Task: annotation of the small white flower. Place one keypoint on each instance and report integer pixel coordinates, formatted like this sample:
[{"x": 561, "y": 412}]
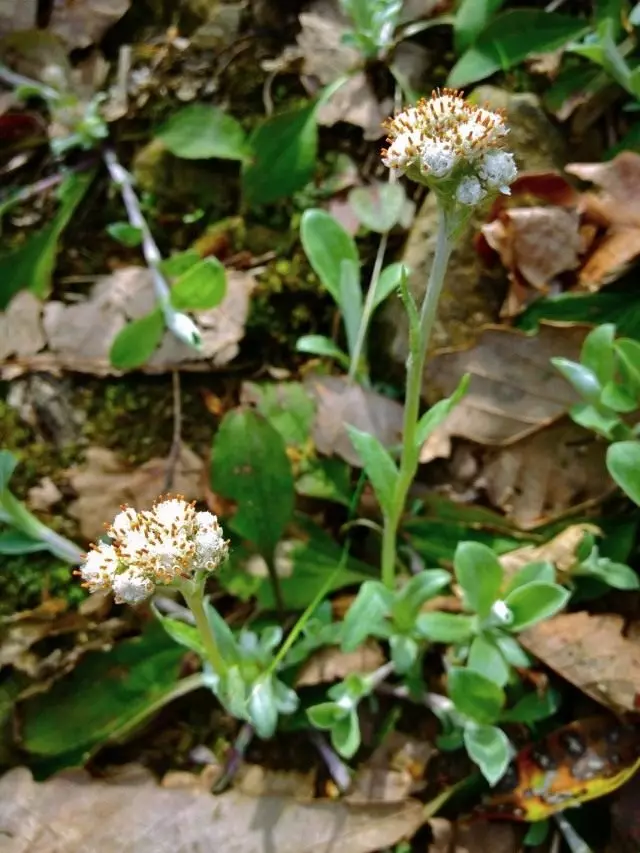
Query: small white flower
[
  {"x": 438, "y": 159},
  {"x": 470, "y": 191},
  {"x": 123, "y": 521},
  {"x": 131, "y": 587},
  {"x": 99, "y": 567},
  {"x": 211, "y": 548},
  {"x": 498, "y": 169}
]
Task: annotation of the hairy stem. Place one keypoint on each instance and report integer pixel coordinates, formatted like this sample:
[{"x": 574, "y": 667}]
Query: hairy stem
[
  {"x": 195, "y": 602},
  {"x": 415, "y": 366}
]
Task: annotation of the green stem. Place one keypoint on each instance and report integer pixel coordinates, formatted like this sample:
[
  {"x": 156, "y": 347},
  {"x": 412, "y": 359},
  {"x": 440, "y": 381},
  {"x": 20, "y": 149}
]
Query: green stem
[
  {"x": 367, "y": 310},
  {"x": 195, "y": 603},
  {"x": 415, "y": 366},
  {"x": 270, "y": 560}
]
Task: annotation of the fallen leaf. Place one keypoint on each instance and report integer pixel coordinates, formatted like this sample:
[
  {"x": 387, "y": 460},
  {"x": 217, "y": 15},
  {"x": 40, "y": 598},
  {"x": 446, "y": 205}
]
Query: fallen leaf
[
  {"x": 254, "y": 780},
  {"x": 394, "y": 771},
  {"x": 103, "y": 483},
  {"x": 44, "y": 495},
  {"x": 81, "y": 23},
  {"x": 522, "y": 479},
  {"x": 16, "y": 15},
  {"x": 514, "y": 388},
  {"x": 21, "y": 330},
  {"x": 79, "y": 335},
  {"x": 592, "y": 652},
  {"x": 332, "y": 664},
  {"x": 561, "y": 551},
  {"x": 59, "y": 816},
  {"x": 486, "y": 837},
  {"x": 340, "y": 402}
]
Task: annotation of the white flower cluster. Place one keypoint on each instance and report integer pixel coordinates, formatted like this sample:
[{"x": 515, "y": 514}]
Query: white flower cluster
[
  {"x": 168, "y": 543},
  {"x": 452, "y": 146}
]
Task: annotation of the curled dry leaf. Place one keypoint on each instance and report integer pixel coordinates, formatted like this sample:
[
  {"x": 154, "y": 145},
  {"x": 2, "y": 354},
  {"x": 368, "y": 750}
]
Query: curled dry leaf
[
  {"x": 594, "y": 652},
  {"x": 81, "y": 23},
  {"x": 79, "y": 335},
  {"x": 514, "y": 388},
  {"x": 103, "y": 483},
  {"x": 561, "y": 551},
  {"x": 340, "y": 402},
  {"x": 60, "y": 815},
  {"x": 332, "y": 664}
]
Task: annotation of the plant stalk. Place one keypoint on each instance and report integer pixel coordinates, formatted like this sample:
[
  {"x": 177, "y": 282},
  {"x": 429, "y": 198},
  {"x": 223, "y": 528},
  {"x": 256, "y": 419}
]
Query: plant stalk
[
  {"x": 195, "y": 603},
  {"x": 415, "y": 365},
  {"x": 367, "y": 310}
]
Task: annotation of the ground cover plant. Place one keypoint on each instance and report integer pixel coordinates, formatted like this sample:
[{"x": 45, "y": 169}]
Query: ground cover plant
[{"x": 320, "y": 464}]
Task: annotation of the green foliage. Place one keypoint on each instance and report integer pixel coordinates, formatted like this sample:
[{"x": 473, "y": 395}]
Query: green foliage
[
  {"x": 608, "y": 379},
  {"x": 380, "y": 467},
  {"x": 201, "y": 287},
  {"x": 339, "y": 716},
  {"x": 202, "y": 132},
  {"x": 374, "y": 23},
  {"x": 136, "y": 342},
  {"x": 379, "y": 211},
  {"x": 125, "y": 233},
  {"x": 327, "y": 245}
]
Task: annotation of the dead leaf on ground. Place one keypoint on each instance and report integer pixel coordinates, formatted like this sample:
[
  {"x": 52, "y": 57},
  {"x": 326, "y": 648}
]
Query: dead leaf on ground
[
  {"x": 79, "y": 335},
  {"x": 44, "y": 495},
  {"x": 591, "y": 652},
  {"x": 557, "y": 469},
  {"x": 59, "y": 816},
  {"x": 487, "y": 837},
  {"x": 21, "y": 331},
  {"x": 103, "y": 483},
  {"x": 514, "y": 388},
  {"x": 81, "y": 23},
  {"x": 616, "y": 209},
  {"x": 254, "y": 780},
  {"x": 339, "y": 403},
  {"x": 561, "y": 551},
  {"x": 332, "y": 664},
  {"x": 625, "y": 818},
  {"x": 394, "y": 771}
]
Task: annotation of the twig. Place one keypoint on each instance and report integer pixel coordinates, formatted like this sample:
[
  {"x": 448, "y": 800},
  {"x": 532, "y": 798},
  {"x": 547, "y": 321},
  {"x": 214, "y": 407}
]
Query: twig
[
  {"x": 181, "y": 326},
  {"x": 176, "y": 441},
  {"x": 336, "y": 767},
  {"x": 234, "y": 758}
]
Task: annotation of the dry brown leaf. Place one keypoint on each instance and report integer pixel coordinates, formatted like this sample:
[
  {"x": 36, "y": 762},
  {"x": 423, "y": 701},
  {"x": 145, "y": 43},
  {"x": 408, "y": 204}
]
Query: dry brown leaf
[
  {"x": 79, "y": 335},
  {"x": 332, "y": 664},
  {"x": 542, "y": 476},
  {"x": 103, "y": 483},
  {"x": 254, "y": 780},
  {"x": 591, "y": 651},
  {"x": 514, "y": 388},
  {"x": 60, "y": 816},
  {"x": 487, "y": 837},
  {"x": 21, "y": 332},
  {"x": 393, "y": 772},
  {"x": 561, "y": 551},
  {"x": 339, "y": 403},
  {"x": 44, "y": 495},
  {"x": 81, "y": 23},
  {"x": 625, "y": 818}
]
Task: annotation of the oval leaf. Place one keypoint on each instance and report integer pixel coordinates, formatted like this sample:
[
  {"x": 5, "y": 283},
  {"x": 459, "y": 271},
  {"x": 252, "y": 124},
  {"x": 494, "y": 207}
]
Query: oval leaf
[
  {"x": 200, "y": 132},
  {"x": 534, "y": 602},
  {"x": 137, "y": 341},
  {"x": 201, "y": 287},
  {"x": 474, "y": 695},
  {"x": 380, "y": 467},
  {"x": 479, "y": 574},
  {"x": 445, "y": 627},
  {"x": 327, "y": 245},
  {"x": 378, "y": 207},
  {"x": 623, "y": 463},
  {"x": 489, "y": 747}
]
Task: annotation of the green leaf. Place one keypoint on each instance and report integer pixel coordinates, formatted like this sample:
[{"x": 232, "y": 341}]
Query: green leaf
[
  {"x": 404, "y": 652},
  {"x": 471, "y": 19},
  {"x": 542, "y": 571},
  {"x": 628, "y": 352},
  {"x": 617, "y": 398},
  {"x": 287, "y": 406},
  {"x": 532, "y": 708},
  {"x": 250, "y": 466},
  {"x": 479, "y": 573},
  {"x": 623, "y": 463},
  {"x": 201, "y": 287},
  {"x": 137, "y": 341},
  {"x": 326, "y": 478},
  {"x": 486, "y": 658},
  {"x": 30, "y": 267},
  {"x": 223, "y": 635},
  {"x": 13, "y": 542},
  {"x": 327, "y": 245},
  {"x": 582, "y": 378},
  {"x": 201, "y": 131},
  {"x": 440, "y": 412},
  {"x": 326, "y": 714},
  {"x": 616, "y": 575},
  {"x": 388, "y": 282},
  {"x": 475, "y": 695},
  {"x": 595, "y": 418},
  {"x": 104, "y": 698},
  {"x": 284, "y": 156},
  {"x": 262, "y": 709},
  {"x": 537, "y": 833},
  {"x": 511, "y": 650},
  {"x": 366, "y": 614},
  {"x": 125, "y": 233},
  {"x": 378, "y": 208},
  {"x": 534, "y": 602},
  {"x": 509, "y": 38},
  {"x": 416, "y": 591},
  {"x": 179, "y": 263},
  {"x": 351, "y": 301},
  {"x": 8, "y": 464},
  {"x": 381, "y": 470},
  {"x": 323, "y": 346},
  {"x": 345, "y": 735},
  {"x": 184, "y": 634},
  {"x": 489, "y": 747},
  {"x": 598, "y": 353},
  {"x": 445, "y": 627}
]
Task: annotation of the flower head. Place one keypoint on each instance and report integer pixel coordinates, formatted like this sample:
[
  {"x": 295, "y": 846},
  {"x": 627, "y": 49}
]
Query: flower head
[
  {"x": 454, "y": 147},
  {"x": 169, "y": 543}
]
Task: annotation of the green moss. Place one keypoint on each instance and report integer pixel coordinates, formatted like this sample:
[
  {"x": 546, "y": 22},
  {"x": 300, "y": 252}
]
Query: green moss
[{"x": 27, "y": 579}]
